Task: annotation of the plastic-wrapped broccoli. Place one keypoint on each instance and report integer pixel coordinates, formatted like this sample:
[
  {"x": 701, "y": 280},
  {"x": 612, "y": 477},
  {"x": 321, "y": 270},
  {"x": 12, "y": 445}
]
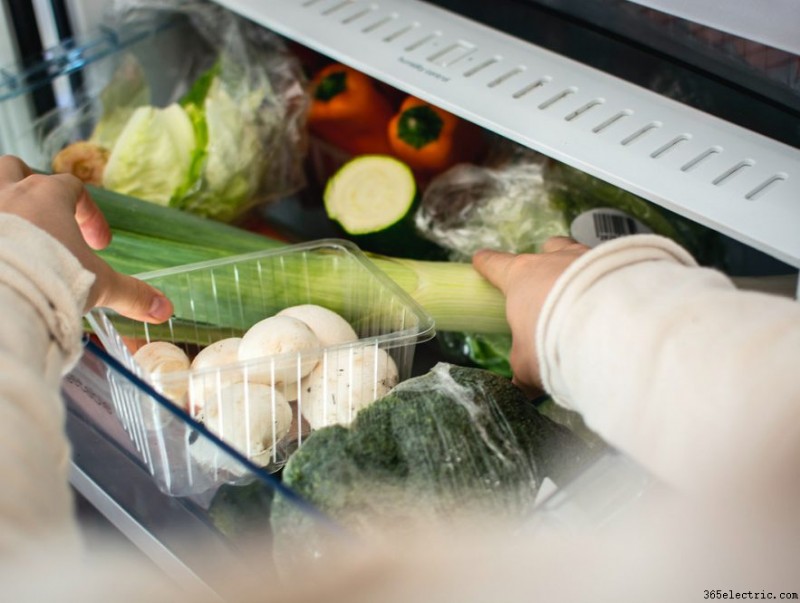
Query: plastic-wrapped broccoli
[
  {"x": 241, "y": 510},
  {"x": 450, "y": 443}
]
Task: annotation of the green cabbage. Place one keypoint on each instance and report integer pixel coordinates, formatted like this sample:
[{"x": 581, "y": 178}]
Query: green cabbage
[
  {"x": 127, "y": 90},
  {"x": 153, "y": 154},
  {"x": 231, "y": 168},
  {"x": 206, "y": 154}
]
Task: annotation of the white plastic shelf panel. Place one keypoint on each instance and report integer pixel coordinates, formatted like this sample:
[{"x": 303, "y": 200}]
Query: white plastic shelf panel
[{"x": 714, "y": 172}]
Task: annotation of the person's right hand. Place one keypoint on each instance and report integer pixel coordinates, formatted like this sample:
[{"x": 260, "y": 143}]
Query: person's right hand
[
  {"x": 526, "y": 281},
  {"x": 61, "y": 206}
]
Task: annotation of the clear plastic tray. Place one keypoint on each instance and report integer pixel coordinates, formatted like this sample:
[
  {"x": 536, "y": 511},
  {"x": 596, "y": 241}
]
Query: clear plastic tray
[
  {"x": 198, "y": 524},
  {"x": 222, "y": 299}
]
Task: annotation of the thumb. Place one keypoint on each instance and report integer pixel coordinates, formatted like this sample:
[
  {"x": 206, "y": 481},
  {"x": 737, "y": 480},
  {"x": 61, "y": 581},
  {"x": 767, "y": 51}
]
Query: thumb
[
  {"x": 494, "y": 266},
  {"x": 132, "y": 298}
]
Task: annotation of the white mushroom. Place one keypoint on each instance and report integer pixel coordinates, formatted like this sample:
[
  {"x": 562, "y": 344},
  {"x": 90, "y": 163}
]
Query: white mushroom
[
  {"x": 251, "y": 418},
  {"x": 163, "y": 362},
  {"x": 275, "y": 336},
  {"x": 330, "y": 328},
  {"x": 219, "y": 353},
  {"x": 205, "y": 382},
  {"x": 349, "y": 381}
]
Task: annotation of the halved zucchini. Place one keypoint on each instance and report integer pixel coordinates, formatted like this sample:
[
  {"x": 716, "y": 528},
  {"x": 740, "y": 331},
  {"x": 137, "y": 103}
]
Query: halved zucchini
[{"x": 373, "y": 199}]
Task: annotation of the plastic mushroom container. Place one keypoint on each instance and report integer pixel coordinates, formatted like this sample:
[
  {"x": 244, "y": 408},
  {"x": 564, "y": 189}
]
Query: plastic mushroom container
[{"x": 261, "y": 350}]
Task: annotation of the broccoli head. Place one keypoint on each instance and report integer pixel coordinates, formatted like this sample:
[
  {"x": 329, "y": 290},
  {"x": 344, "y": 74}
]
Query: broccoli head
[{"x": 455, "y": 440}]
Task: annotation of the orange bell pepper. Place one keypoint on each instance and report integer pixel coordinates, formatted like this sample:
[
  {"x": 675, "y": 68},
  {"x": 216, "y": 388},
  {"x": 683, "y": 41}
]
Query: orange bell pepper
[
  {"x": 430, "y": 139},
  {"x": 348, "y": 112}
]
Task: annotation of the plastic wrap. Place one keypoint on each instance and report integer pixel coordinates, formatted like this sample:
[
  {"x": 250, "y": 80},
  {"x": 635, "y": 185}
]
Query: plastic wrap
[
  {"x": 576, "y": 193},
  {"x": 505, "y": 207},
  {"x": 438, "y": 448},
  {"x": 229, "y": 133}
]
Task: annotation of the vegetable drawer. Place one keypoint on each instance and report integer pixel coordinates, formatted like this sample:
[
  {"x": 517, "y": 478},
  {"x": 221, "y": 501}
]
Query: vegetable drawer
[
  {"x": 116, "y": 467},
  {"x": 261, "y": 349}
]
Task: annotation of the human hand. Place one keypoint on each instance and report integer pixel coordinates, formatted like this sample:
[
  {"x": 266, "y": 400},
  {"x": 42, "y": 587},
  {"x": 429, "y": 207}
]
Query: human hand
[
  {"x": 61, "y": 206},
  {"x": 526, "y": 281}
]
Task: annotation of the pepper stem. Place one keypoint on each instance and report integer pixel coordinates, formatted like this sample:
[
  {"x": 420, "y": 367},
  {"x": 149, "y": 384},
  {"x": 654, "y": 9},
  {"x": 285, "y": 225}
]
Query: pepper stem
[
  {"x": 419, "y": 126},
  {"x": 330, "y": 86}
]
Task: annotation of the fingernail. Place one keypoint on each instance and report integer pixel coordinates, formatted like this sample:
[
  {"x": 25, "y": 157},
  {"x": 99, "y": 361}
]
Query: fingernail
[{"x": 160, "y": 308}]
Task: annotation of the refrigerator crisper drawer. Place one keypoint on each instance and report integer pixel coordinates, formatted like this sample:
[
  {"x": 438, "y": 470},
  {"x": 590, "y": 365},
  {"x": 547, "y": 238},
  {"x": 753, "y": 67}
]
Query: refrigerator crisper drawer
[{"x": 114, "y": 469}]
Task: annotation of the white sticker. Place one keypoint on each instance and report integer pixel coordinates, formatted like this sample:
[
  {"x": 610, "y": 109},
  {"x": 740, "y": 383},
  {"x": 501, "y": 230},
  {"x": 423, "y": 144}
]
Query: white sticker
[{"x": 603, "y": 224}]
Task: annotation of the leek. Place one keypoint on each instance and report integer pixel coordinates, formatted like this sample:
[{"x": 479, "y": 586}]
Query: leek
[{"x": 148, "y": 237}]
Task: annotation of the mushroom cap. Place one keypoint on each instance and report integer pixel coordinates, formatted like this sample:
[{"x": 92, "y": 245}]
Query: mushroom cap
[
  {"x": 329, "y": 327},
  {"x": 163, "y": 362},
  {"x": 348, "y": 381},
  {"x": 214, "y": 367},
  {"x": 251, "y": 417},
  {"x": 276, "y": 336},
  {"x": 219, "y": 353}
]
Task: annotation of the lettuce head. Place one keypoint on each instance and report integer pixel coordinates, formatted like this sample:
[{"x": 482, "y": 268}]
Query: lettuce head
[{"x": 153, "y": 155}]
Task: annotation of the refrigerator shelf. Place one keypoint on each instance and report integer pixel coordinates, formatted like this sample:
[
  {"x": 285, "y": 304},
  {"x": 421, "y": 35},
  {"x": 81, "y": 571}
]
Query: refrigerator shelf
[{"x": 712, "y": 171}]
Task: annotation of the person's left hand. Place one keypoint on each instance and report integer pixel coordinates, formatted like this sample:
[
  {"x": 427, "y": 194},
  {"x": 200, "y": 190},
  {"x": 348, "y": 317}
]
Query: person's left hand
[{"x": 61, "y": 206}]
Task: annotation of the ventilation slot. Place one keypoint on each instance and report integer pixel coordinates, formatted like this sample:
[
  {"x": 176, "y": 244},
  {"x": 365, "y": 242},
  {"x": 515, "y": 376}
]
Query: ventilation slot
[
  {"x": 310, "y": 2},
  {"x": 481, "y": 66},
  {"x": 611, "y": 121},
  {"x": 506, "y": 76},
  {"x": 422, "y": 42},
  {"x": 558, "y": 97},
  {"x": 530, "y": 87},
  {"x": 336, "y": 7},
  {"x": 690, "y": 165},
  {"x": 357, "y": 16},
  {"x": 378, "y": 24},
  {"x": 727, "y": 175},
  {"x": 400, "y": 32},
  {"x": 762, "y": 188},
  {"x": 640, "y": 132},
  {"x": 663, "y": 150},
  {"x": 580, "y": 111},
  {"x": 451, "y": 54}
]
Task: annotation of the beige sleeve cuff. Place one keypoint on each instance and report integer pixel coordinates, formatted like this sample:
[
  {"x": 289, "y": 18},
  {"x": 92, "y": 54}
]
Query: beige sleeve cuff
[
  {"x": 577, "y": 282},
  {"x": 674, "y": 366},
  {"x": 44, "y": 273}
]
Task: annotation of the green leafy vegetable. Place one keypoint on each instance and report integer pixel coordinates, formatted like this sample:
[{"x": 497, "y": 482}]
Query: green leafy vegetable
[
  {"x": 448, "y": 443},
  {"x": 125, "y": 92},
  {"x": 487, "y": 350},
  {"x": 242, "y": 511},
  {"x": 153, "y": 154},
  {"x": 229, "y": 169}
]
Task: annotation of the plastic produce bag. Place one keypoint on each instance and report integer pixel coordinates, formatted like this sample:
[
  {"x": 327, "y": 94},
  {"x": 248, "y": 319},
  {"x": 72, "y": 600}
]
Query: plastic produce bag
[
  {"x": 229, "y": 134},
  {"x": 438, "y": 448},
  {"x": 470, "y": 207},
  {"x": 614, "y": 212}
]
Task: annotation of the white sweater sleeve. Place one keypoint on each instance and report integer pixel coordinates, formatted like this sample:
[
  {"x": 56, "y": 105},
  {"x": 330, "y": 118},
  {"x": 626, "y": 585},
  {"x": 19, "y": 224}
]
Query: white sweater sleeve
[
  {"x": 43, "y": 289},
  {"x": 671, "y": 364}
]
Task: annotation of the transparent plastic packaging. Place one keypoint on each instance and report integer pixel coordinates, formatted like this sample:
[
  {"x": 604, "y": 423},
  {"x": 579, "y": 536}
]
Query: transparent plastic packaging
[
  {"x": 450, "y": 445},
  {"x": 182, "y": 104},
  {"x": 503, "y": 205},
  {"x": 264, "y": 406},
  {"x": 108, "y": 433}
]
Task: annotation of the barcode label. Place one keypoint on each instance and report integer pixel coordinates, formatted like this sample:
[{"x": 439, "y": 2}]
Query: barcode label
[
  {"x": 603, "y": 224},
  {"x": 609, "y": 226}
]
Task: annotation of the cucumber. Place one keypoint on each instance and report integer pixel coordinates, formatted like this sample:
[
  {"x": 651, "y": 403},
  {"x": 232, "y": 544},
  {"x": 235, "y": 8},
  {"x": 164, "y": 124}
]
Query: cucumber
[{"x": 373, "y": 199}]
